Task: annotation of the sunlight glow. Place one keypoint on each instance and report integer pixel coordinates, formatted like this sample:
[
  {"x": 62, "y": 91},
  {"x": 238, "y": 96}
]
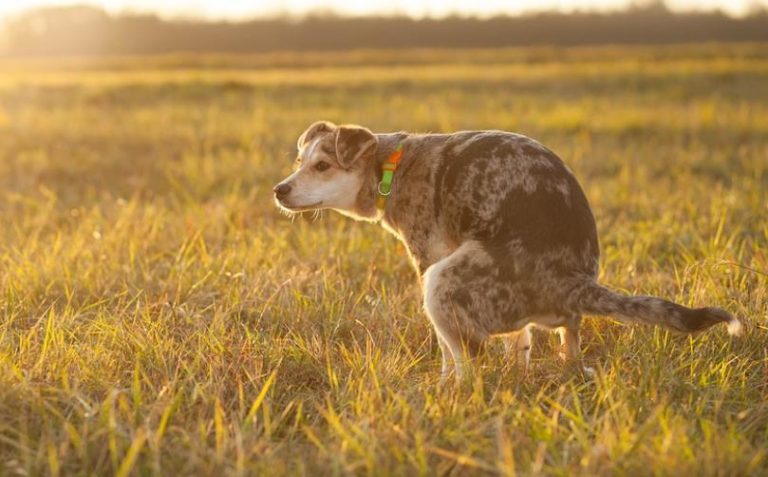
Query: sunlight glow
[{"x": 238, "y": 9}]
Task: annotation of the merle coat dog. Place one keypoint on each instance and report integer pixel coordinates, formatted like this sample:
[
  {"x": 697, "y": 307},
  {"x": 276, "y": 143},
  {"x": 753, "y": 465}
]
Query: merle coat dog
[{"x": 495, "y": 223}]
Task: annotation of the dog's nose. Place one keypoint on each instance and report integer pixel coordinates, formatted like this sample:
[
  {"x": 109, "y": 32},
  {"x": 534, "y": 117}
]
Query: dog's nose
[{"x": 282, "y": 190}]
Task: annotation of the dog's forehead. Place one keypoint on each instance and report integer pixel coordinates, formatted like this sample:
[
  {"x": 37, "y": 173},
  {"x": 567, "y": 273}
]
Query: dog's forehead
[{"x": 322, "y": 145}]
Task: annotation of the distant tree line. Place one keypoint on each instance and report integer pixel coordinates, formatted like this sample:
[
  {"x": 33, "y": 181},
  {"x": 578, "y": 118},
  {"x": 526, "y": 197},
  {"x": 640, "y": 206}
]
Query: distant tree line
[{"x": 90, "y": 31}]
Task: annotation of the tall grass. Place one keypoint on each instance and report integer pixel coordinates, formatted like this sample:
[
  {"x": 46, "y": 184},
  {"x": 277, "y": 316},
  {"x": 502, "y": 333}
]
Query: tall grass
[{"x": 158, "y": 316}]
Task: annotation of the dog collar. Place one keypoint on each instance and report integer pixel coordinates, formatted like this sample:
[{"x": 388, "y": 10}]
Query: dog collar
[{"x": 387, "y": 174}]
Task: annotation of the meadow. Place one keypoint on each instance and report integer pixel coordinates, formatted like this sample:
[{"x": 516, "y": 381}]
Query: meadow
[{"x": 159, "y": 316}]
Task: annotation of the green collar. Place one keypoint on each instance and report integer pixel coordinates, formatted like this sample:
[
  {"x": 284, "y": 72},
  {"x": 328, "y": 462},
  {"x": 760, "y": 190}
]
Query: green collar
[{"x": 387, "y": 174}]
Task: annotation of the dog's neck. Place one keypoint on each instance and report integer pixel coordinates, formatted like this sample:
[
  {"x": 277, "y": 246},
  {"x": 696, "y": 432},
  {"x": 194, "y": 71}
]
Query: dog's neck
[
  {"x": 387, "y": 145},
  {"x": 366, "y": 199}
]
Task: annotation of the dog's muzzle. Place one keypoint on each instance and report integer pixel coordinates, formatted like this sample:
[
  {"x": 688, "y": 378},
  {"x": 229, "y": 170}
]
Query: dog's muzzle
[{"x": 282, "y": 190}]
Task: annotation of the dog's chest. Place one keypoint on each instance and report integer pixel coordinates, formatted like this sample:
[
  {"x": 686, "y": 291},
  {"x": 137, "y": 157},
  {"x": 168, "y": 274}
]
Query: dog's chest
[
  {"x": 438, "y": 248},
  {"x": 425, "y": 244}
]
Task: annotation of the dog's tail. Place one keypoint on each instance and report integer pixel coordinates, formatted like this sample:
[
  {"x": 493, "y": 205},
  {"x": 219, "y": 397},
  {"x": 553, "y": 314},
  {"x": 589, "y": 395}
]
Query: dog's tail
[{"x": 590, "y": 297}]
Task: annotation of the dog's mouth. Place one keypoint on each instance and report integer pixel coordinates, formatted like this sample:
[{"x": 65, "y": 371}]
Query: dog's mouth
[{"x": 298, "y": 208}]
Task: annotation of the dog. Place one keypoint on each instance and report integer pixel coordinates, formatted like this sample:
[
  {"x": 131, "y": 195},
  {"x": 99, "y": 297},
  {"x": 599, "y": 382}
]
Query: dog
[{"x": 497, "y": 226}]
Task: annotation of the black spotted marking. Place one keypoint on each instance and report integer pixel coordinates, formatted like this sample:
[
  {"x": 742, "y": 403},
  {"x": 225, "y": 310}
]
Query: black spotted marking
[
  {"x": 534, "y": 149},
  {"x": 546, "y": 210},
  {"x": 543, "y": 222},
  {"x": 702, "y": 318},
  {"x": 455, "y": 165},
  {"x": 545, "y": 219},
  {"x": 462, "y": 298}
]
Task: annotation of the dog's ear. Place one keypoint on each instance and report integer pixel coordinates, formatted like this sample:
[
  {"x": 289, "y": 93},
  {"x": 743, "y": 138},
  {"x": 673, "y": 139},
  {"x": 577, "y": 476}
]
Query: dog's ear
[
  {"x": 312, "y": 132},
  {"x": 354, "y": 143}
]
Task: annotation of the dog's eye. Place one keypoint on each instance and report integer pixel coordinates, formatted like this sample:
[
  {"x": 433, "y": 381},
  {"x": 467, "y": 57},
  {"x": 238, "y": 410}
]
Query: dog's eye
[{"x": 322, "y": 166}]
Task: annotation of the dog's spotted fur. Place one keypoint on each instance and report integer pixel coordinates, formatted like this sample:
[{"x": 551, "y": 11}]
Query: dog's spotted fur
[{"x": 496, "y": 225}]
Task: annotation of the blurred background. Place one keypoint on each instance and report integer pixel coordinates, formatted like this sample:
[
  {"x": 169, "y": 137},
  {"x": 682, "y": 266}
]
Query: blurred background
[{"x": 109, "y": 27}]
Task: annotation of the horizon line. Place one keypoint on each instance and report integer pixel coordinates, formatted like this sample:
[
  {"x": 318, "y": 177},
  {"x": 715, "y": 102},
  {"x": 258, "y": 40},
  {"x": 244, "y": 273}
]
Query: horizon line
[{"x": 331, "y": 12}]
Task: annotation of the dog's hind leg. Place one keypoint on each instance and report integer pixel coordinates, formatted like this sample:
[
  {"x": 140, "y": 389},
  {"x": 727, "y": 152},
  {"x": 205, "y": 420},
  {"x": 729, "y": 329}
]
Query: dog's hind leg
[
  {"x": 456, "y": 342},
  {"x": 449, "y": 305},
  {"x": 520, "y": 344},
  {"x": 570, "y": 342},
  {"x": 447, "y": 356}
]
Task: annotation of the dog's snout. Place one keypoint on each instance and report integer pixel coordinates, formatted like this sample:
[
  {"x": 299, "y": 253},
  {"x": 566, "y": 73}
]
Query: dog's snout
[{"x": 282, "y": 190}]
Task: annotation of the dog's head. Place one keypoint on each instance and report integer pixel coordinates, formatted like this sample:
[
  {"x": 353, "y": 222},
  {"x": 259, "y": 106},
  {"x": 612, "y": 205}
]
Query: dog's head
[{"x": 332, "y": 167}]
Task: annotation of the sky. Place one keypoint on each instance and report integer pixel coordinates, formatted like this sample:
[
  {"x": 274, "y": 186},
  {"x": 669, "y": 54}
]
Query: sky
[{"x": 238, "y": 9}]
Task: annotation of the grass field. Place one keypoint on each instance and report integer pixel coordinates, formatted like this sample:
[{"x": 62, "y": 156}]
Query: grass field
[{"x": 158, "y": 315}]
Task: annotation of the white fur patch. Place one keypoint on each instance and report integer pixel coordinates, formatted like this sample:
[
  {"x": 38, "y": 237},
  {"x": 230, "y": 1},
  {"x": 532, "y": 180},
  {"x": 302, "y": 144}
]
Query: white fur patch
[{"x": 735, "y": 327}]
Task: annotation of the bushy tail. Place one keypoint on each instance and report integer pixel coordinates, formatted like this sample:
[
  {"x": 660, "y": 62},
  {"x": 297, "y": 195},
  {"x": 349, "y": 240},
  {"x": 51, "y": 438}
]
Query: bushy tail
[{"x": 593, "y": 298}]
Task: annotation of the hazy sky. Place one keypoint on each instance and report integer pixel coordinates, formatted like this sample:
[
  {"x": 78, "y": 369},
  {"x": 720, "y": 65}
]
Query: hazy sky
[{"x": 241, "y": 8}]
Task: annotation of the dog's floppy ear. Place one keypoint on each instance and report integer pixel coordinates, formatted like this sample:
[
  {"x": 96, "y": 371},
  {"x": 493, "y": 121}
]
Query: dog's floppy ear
[
  {"x": 312, "y": 132},
  {"x": 354, "y": 143}
]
